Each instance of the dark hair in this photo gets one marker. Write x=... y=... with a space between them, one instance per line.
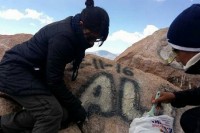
x=95 y=19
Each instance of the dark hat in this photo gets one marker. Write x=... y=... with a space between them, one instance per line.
x=95 y=19
x=184 y=31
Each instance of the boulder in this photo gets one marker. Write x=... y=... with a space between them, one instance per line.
x=150 y=55
x=113 y=94
x=8 y=41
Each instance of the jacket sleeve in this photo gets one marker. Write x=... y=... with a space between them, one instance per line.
x=60 y=53
x=187 y=97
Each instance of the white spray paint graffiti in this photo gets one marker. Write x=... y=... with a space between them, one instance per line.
x=108 y=100
x=98 y=93
x=108 y=95
x=128 y=100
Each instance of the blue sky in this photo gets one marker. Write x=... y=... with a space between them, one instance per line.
x=130 y=20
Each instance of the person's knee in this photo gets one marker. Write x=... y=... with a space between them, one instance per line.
x=6 y=122
x=56 y=113
x=51 y=113
x=184 y=119
x=188 y=121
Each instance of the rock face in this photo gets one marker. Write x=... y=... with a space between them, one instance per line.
x=149 y=55
x=113 y=94
x=8 y=41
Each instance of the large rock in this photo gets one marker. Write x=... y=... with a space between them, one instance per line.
x=8 y=41
x=150 y=54
x=112 y=94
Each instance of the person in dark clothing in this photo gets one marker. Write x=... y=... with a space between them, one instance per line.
x=184 y=37
x=32 y=72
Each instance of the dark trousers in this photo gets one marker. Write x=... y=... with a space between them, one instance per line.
x=41 y=114
x=190 y=120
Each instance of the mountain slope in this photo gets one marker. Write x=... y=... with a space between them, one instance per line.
x=104 y=53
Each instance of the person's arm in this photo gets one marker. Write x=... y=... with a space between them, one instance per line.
x=180 y=98
x=60 y=53
x=187 y=97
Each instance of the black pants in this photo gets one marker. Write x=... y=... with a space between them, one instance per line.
x=41 y=114
x=190 y=120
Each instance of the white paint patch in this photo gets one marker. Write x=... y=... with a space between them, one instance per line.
x=104 y=101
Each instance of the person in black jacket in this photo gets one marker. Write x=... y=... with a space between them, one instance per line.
x=184 y=37
x=32 y=72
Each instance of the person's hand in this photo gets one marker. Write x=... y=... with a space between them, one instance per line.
x=165 y=97
x=78 y=115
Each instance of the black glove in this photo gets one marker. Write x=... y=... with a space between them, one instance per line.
x=77 y=115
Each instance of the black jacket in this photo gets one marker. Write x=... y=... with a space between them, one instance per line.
x=37 y=65
x=190 y=96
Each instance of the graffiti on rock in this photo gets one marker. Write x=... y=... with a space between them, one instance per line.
x=99 y=94
x=107 y=95
x=102 y=95
x=129 y=99
x=99 y=64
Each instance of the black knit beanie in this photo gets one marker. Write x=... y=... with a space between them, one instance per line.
x=184 y=31
x=95 y=19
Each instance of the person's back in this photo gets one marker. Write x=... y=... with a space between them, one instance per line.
x=34 y=52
